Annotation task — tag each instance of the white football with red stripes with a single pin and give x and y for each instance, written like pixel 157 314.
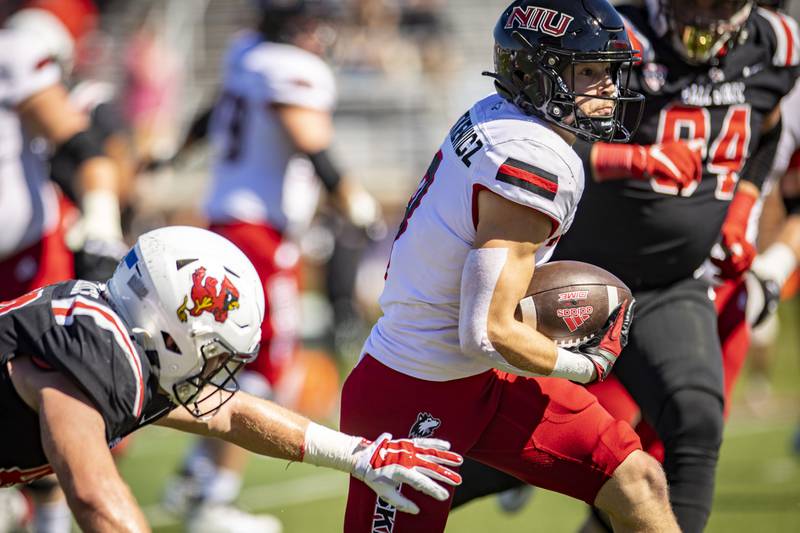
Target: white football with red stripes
pixel 570 301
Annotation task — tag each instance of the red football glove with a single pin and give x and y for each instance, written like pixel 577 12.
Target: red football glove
pixel 384 464
pixel 673 163
pixel 738 252
pixel 604 348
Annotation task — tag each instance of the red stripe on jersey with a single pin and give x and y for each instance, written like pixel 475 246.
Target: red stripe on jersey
pixel 49 60
pixel 16 303
pixel 530 177
pixel 17 476
pixel 635 42
pixel 789 40
pixel 131 352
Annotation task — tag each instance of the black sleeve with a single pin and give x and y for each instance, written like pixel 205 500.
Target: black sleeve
pixel 199 127
pixel 102 360
pixel 759 164
pixel 107 120
pixel 792 205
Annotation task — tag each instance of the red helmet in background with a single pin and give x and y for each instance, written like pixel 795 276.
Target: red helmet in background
pixel 61 24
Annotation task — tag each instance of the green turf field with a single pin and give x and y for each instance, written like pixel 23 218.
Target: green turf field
pixel 758 481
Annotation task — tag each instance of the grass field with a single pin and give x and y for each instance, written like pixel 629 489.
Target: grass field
pixel 758 481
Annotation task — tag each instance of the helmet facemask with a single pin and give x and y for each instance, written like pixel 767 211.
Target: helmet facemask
pixel 701 31
pixel 204 393
pixel 541 84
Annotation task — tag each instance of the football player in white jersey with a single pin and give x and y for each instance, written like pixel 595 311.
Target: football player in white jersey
pixel 270 130
pixel 448 358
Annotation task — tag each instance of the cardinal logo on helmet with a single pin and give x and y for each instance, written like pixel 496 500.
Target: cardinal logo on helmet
pixel 208 297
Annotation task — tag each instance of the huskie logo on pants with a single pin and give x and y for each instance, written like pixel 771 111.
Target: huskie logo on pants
pixel 385 514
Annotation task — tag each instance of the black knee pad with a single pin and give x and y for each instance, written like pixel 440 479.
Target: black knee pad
pixel 480 480
pixel 692 422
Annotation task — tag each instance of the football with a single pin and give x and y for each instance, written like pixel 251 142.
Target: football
pixel 569 301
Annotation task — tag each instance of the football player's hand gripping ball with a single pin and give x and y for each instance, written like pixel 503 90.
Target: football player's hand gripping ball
pixel 604 348
pixel 385 464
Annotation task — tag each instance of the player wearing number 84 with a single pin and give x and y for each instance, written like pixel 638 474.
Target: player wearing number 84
pixel 714 72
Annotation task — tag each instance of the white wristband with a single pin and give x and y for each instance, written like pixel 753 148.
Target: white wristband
pixel 329 448
pixel 101 218
pixel 573 366
pixel 776 263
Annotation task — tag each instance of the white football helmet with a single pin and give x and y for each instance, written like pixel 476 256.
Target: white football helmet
pixel 57 26
pixel 193 298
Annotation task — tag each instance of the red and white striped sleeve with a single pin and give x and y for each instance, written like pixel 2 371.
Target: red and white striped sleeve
pixel 787 37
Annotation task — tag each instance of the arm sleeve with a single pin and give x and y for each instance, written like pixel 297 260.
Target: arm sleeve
pixel 533 175
pixel 784 38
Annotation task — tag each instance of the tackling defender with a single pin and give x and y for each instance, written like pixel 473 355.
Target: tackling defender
pixel 448 357
pixel 83 364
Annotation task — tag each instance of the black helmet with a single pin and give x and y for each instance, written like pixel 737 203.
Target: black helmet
pixel 537 42
pixel 701 29
pixel 282 20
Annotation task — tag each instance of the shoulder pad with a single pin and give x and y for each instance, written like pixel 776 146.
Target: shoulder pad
pixel 784 36
pixel 293 76
pixel 532 174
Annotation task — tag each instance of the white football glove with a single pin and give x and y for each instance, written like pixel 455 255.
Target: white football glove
pixel 383 465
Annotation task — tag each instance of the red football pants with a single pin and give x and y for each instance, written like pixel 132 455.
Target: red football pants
pixel 548 432
pixel 43 263
pixel 277 265
pixel 734 335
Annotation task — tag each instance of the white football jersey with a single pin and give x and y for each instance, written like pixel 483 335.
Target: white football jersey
pixel 258 176
pixel 495 147
pixel 28 202
pixel 788 144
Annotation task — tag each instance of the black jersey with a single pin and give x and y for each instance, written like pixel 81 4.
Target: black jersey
pixel 643 231
pixel 70 328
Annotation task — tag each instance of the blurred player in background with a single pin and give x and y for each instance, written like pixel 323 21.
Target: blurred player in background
pixel 271 130
pixel 38 47
pixel 448 358
pixel 776 266
pixel 83 364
